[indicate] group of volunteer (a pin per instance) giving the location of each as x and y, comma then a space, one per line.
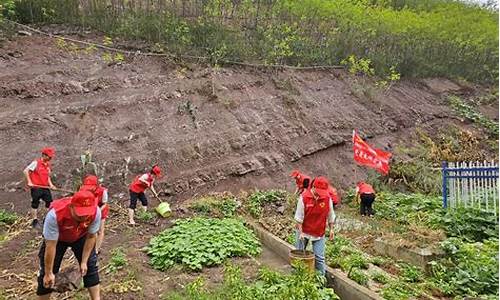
75, 222
315, 210
78, 221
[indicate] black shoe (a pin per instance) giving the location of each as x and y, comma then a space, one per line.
34, 224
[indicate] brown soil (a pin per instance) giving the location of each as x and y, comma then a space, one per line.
250, 133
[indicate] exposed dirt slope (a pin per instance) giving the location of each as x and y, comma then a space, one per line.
250, 132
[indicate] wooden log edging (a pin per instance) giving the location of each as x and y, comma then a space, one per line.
344, 287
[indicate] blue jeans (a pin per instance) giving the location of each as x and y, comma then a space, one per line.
318, 250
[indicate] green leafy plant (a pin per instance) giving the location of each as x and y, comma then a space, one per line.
359, 276
256, 201
380, 277
7, 217
144, 216
199, 242
270, 285
118, 260
469, 269
410, 273
215, 205
469, 223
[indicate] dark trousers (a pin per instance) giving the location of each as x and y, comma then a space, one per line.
133, 199
89, 280
366, 204
38, 194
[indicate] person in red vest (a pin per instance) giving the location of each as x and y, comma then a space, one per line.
91, 184
301, 181
314, 211
37, 175
137, 189
334, 196
365, 195
72, 222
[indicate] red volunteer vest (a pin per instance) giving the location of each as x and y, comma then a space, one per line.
315, 214
365, 188
138, 186
69, 230
40, 176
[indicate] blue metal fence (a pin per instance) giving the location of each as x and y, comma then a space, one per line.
471, 184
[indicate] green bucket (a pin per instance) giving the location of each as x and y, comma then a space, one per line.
163, 209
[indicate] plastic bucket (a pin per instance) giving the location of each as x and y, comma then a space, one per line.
306, 257
163, 209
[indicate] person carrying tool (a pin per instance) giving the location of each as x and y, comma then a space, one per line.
314, 211
37, 175
72, 222
91, 183
137, 188
365, 195
302, 181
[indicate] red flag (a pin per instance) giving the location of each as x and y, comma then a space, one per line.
365, 155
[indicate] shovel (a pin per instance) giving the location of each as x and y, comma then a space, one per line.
163, 209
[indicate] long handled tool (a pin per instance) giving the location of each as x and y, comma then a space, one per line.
53, 189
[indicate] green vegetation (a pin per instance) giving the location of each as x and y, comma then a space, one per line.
380, 277
417, 168
270, 285
417, 210
256, 201
359, 277
144, 215
437, 38
469, 269
200, 242
467, 111
7, 217
215, 206
118, 260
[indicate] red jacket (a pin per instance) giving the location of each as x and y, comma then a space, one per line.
40, 176
69, 230
138, 186
315, 214
364, 188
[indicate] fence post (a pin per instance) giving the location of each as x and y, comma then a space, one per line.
444, 171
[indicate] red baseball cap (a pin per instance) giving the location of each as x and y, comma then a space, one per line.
91, 180
156, 170
49, 151
295, 173
320, 185
83, 203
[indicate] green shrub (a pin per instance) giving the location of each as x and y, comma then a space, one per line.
446, 38
200, 242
